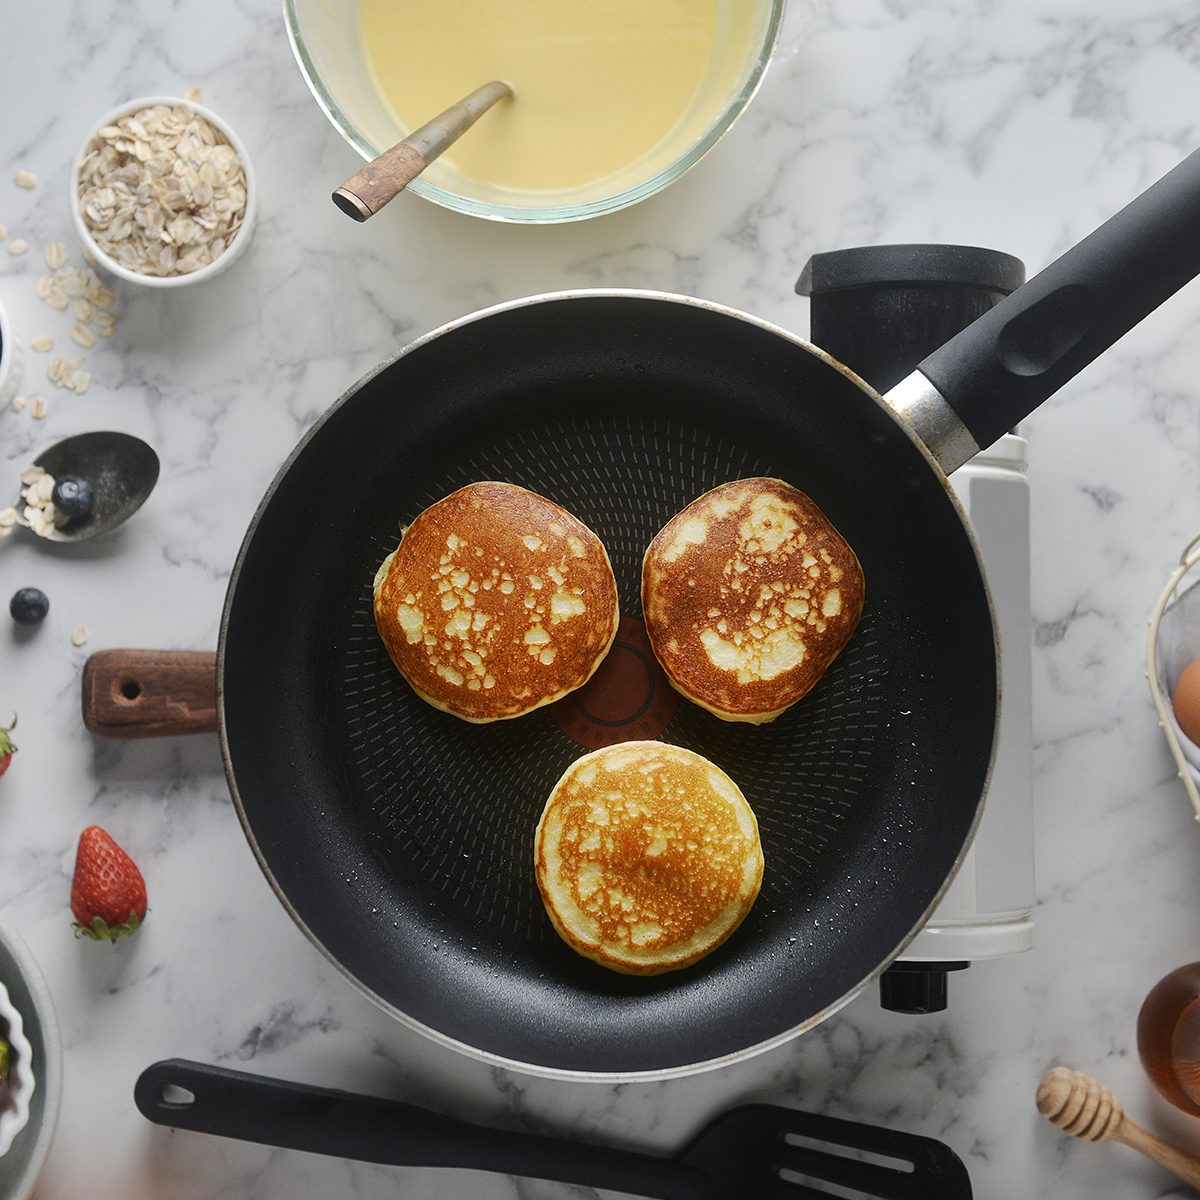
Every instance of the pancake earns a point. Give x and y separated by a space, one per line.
647 857
496 602
748 595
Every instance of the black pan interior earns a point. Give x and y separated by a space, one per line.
401 838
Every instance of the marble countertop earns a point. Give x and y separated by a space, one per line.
1018 126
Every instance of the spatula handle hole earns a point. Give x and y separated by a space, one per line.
174 1096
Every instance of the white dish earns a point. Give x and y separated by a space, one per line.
1172 642
16 1095
27 990
10 360
241 239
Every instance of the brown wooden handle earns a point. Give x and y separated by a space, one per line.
384 177
1179 1163
380 180
150 693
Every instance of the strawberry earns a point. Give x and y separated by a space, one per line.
7 749
108 893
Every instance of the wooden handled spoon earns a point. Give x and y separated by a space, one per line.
1086 1109
385 177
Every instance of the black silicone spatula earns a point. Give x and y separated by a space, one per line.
755 1151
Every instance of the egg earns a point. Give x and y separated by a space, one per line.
1186 700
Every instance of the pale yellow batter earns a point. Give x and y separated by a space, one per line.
605 89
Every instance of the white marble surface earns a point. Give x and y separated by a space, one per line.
1018 125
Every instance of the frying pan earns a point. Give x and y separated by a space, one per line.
399 838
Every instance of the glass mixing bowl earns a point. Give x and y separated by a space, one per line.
326 39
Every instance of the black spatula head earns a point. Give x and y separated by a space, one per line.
761 1150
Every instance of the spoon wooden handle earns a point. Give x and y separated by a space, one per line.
1086 1109
383 178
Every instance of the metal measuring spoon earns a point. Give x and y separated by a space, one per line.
122 470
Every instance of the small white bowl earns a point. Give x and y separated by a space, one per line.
26 1154
241 238
10 360
16 1095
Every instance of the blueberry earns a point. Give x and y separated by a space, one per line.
73 497
29 606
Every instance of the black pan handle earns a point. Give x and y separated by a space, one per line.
1006 363
295 1116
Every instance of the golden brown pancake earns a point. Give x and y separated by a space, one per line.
647 857
496 602
748 595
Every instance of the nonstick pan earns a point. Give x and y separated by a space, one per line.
400 838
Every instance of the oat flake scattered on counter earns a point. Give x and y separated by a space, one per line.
18 246
162 191
38 410
25 179
42 345
18 403
79 636
65 373
3 231
55 255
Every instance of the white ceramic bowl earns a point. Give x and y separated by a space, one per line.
10 360
15 1098
241 238
26 988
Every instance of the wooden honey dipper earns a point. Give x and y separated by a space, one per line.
1086 1109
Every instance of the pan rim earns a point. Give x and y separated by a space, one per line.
487 1057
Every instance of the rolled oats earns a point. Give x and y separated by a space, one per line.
81 335
38 409
18 403
55 255
25 179
162 191
41 345
18 246
62 372
39 512
79 635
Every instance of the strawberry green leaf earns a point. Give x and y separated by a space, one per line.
6 743
101 931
